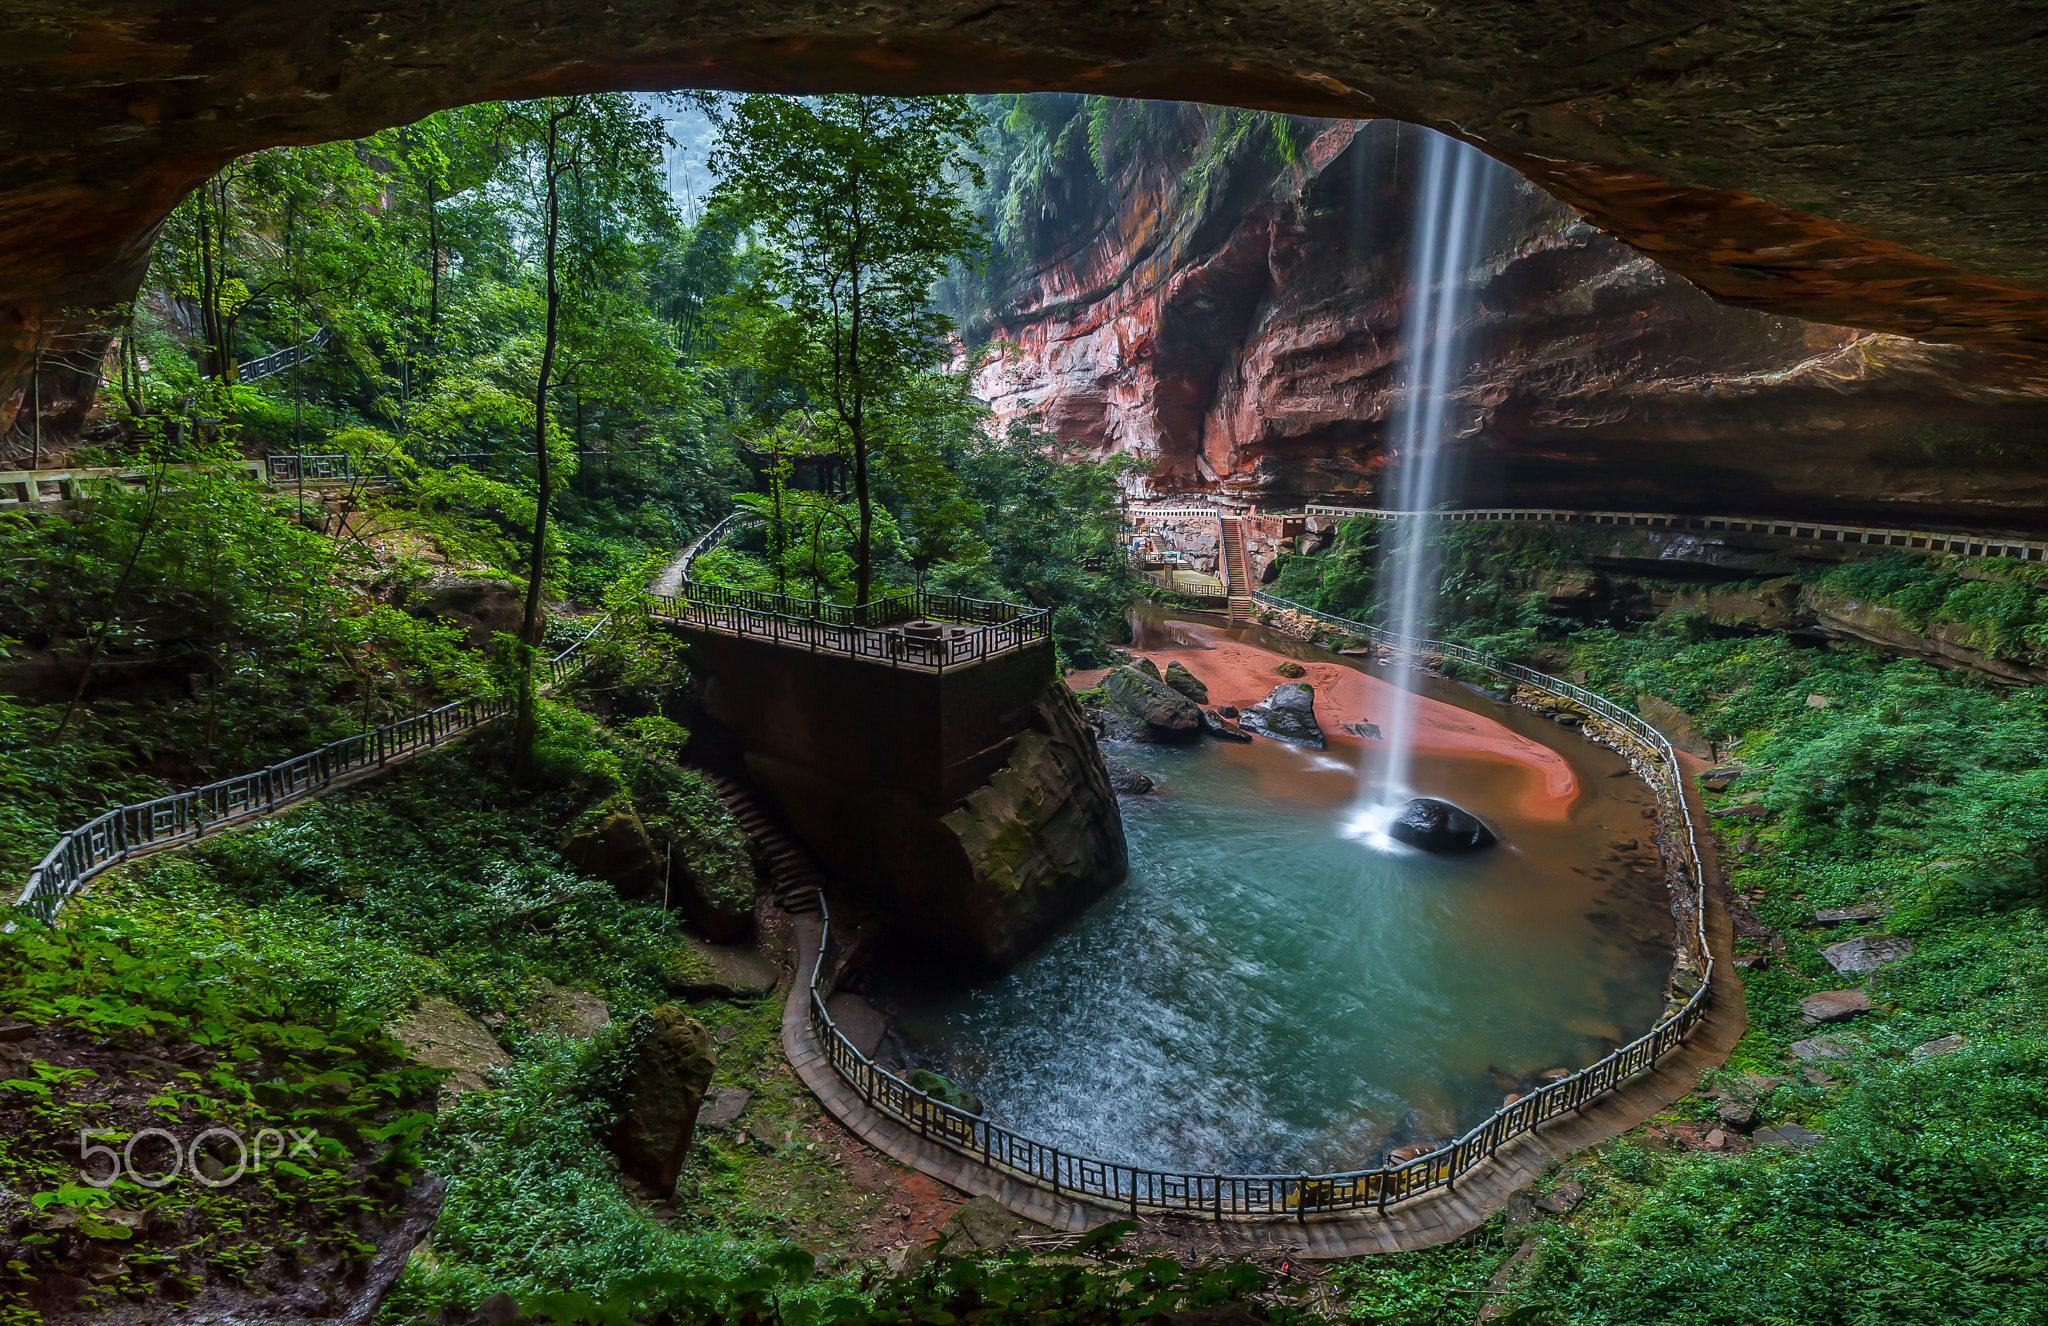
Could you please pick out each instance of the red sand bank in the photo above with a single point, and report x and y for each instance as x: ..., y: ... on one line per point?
x: 1241, y: 674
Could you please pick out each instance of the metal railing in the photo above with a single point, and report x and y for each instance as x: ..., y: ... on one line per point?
x: 1956, y: 545
x: 1262, y: 1196
x: 319, y: 467
x: 964, y: 630
x: 185, y: 816
x: 279, y: 360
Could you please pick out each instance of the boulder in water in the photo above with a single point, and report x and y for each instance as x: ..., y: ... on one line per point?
x: 1126, y: 781
x: 1439, y: 826
x: 1218, y: 724
x: 1288, y: 713
x: 1166, y: 714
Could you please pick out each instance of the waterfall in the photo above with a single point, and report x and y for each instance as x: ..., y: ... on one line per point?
x: 1455, y: 193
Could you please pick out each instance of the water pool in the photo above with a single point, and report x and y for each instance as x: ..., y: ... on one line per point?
x: 1267, y: 993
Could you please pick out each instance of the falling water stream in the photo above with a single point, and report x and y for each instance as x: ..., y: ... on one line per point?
x: 1456, y: 190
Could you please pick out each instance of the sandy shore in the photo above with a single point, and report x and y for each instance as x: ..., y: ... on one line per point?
x: 1241, y: 674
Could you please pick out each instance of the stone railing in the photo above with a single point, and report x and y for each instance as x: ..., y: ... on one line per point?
x: 1298, y: 1196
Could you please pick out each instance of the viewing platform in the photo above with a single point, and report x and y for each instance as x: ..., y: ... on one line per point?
x: 920, y: 631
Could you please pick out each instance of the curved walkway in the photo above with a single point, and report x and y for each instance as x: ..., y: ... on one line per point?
x: 1422, y: 1222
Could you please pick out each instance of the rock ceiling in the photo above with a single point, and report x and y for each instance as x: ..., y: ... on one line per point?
x: 1875, y: 165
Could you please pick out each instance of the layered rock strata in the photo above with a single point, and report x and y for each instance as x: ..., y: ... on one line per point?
x: 1235, y: 319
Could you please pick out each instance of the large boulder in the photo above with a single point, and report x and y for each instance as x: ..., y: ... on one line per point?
x: 610, y: 843
x: 1163, y: 713
x: 1043, y: 839
x: 671, y: 1071
x: 718, y: 894
x: 483, y: 606
x: 1288, y: 713
x: 1187, y: 683
x: 1439, y: 826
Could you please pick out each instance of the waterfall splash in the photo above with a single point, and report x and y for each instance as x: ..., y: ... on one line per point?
x: 1456, y: 190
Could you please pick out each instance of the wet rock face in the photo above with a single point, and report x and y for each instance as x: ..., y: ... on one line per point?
x: 1248, y: 341
x: 1288, y: 713
x: 1439, y: 826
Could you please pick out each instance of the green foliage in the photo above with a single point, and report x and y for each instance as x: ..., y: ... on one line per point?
x: 1047, y: 532
x: 2005, y: 608
x: 850, y: 197
x: 245, y: 621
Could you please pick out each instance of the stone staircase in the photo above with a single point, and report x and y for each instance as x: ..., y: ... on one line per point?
x: 1237, y: 574
x: 793, y: 874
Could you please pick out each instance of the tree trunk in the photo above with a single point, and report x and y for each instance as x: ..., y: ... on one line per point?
x: 530, y: 625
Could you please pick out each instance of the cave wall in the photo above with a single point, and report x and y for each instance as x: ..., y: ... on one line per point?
x: 1244, y: 335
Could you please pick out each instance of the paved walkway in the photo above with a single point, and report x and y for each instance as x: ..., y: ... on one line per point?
x: 1425, y: 1221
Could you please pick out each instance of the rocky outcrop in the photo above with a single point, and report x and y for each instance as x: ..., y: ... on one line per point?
x: 1288, y: 712
x: 1821, y: 161
x: 610, y: 843
x: 483, y: 606
x: 1950, y: 644
x: 1043, y: 837
x: 717, y: 971
x: 1156, y: 711
x: 671, y: 1070
x: 1438, y: 826
x: 1234, y: 317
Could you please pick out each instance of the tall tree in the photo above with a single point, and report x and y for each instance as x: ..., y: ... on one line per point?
x: 587, y: 168
x: 854, y: 200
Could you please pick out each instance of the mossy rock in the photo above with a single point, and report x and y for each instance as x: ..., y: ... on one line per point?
x: 1289, y: 668
x: 945, y: 1090
x: 1148, y: 667
x: 670, y: 1073
x: 1187, y: 683
x: 1167, y: 715
x: 610, y: 843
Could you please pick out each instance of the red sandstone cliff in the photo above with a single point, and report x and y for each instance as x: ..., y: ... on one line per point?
x: 1236, y: 317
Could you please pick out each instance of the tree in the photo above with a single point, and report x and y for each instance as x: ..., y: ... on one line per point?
x: 853, y: 199
x: 586, y: 167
